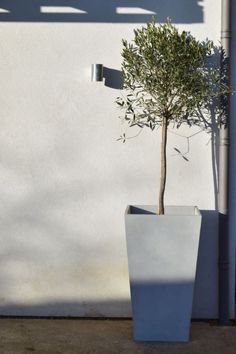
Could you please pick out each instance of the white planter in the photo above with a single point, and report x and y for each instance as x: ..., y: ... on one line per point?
x: 162, y: 257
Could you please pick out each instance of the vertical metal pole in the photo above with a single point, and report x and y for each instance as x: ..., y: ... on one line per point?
x: 224, y: 292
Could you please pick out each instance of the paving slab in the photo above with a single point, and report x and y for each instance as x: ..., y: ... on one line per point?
x: 106, y: 336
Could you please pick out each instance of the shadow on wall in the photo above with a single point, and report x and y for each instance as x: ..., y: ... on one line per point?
x: 113, y: 78
x: 107, y: 11
x: 70, y: 309
x: 205, y: 302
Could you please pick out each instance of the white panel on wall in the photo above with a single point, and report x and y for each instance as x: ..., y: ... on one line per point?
x: 65, y: 180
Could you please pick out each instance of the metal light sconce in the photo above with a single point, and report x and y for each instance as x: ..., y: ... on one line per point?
x: 97, y: 72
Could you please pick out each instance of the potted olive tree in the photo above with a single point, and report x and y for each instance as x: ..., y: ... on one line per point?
x: 167, y: 80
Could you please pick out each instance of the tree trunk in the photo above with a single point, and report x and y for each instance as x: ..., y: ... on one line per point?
x: 160, y: 209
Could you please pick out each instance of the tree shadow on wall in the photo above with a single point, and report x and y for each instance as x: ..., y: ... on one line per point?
x: 104, y: 11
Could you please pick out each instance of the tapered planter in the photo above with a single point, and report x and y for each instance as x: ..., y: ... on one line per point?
x: 162, y: 257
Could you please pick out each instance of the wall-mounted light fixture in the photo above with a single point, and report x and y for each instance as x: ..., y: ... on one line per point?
x: 97, y: 72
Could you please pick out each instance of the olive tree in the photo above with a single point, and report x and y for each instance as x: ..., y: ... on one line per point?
x: 168, y: 79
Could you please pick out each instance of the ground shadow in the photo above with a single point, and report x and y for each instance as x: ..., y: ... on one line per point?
x: 112, y: 11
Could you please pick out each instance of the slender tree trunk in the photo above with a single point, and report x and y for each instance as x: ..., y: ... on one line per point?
x: 160, y: 209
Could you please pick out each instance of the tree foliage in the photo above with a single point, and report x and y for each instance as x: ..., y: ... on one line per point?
x: 171, y: 77
x: 169, y: 74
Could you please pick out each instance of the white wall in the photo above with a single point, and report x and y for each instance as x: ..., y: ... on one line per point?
x: 65, y: 180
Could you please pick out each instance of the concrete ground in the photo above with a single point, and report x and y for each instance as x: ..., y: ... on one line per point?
x: 75, y: 336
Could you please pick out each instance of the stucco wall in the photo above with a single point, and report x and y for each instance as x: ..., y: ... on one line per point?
x: 65, y: 180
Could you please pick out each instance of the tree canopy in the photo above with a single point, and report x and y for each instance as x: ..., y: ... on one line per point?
x: 169, y: 74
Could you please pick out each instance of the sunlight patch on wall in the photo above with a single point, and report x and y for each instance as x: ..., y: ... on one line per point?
x: 61, y: 10
x: 134, y: 11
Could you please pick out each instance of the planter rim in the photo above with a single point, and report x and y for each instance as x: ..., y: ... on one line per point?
x: 170, y: 210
